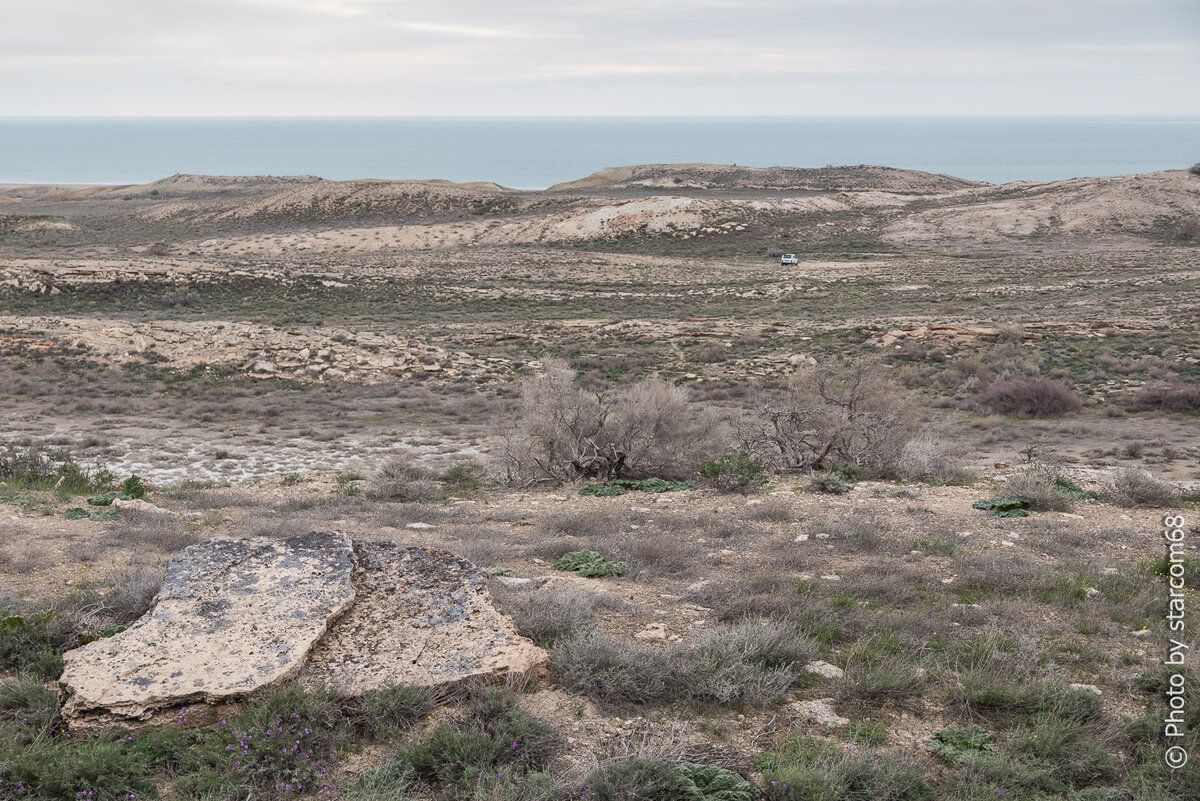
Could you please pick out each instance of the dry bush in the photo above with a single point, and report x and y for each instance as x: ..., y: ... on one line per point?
x: 1189, y: 228
x: 168, y: 533
x: 402, y: 479
x: 1176, y: 397
x: 1037, y: 482
x: 1133, y: 487
x: 775, y: 510
x: 652, y: 554
x: 927, y: 457
x: 754, y: 662
x: 852, y: 414
x: 560, y: 432
x: 710, y: 353
x: 1029, y: 396
x: 548, y: 615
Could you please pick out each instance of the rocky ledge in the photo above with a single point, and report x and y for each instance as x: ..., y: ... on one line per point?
x: 237, y: 616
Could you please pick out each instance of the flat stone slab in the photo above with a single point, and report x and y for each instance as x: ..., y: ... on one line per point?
x: 423, y: 616
x: 235, y: 617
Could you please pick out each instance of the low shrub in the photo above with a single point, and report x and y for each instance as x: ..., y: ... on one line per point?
x: 36, y: 468
x: 754, y: 663
x: 550, y: 615
x: 1169, y: 397
x: 494, y: 743
x: 807, y: 769
x: 638, y: 778
x: 386, y: 783
x: 735, y: 472
x: 33, y: 642
x: 280, y: 746
x: 394, y: 707
x: 131, y: 489
x: 1029, y: 396
x: 1133, y: 488
x: 1045, y: 489
x: 829, y: 482
x: 645, y: 779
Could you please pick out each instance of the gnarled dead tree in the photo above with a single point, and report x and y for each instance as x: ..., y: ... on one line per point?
x: 560, y: 432
x: 850, y: 413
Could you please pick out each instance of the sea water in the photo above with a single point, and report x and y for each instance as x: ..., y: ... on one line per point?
x: 533, y: 153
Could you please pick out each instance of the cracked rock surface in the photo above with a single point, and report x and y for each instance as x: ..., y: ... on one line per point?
x: 236, y: 616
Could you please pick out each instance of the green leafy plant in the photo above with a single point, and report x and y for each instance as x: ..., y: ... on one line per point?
x: 602, y: 490
x: 1068, y: 487
x: 590, y: 564
x: 954, y: 745
x: 1004, y: 505
x: 717, y: 784
x: 79, y: 513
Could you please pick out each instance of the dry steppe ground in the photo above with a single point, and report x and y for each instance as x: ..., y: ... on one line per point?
x: 259, y: 349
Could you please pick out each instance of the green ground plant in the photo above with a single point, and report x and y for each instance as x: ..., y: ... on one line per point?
x: 590, y: 564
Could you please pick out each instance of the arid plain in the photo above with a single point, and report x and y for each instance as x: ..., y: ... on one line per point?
x: 282, y: 355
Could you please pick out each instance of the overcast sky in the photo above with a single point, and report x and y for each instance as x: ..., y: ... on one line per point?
x: 608, y: 57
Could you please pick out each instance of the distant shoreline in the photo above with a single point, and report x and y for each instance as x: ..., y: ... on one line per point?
x: 542, y: 152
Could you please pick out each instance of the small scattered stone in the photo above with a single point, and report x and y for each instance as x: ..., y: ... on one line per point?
x: 139, y: 505
x: 418, y: 525
x: 1091, y: 688
x: 819, y: 711
x: 653, y: 631
x: 801, y: 538
x: 832, y: 577
x: 825, y: 670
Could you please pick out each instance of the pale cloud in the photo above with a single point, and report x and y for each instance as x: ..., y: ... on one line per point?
x: 709, y: 57
x: 470, y: 31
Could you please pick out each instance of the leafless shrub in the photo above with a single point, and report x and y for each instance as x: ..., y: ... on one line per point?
x: 561, y: 432
x: 1132, y: 487
x: 132, y: 592
x: 1177, y: 397
x: 594, y: 526
x: 851, y: 413
x: 710, y: 353
x: 650, y: 553
x: 928, y: 457
x: 1189, y: 228
x: 776, y: 510
x: 128, y: 595
x: 1029, y: 396
x: 1037, y: 482
x: 550, y: 614
x: 402, y: 479
x: 169, y: 533
x: 1011, y: 333
x: 754, y: 662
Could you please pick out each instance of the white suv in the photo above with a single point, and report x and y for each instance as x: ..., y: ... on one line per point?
x: 789, y: 258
